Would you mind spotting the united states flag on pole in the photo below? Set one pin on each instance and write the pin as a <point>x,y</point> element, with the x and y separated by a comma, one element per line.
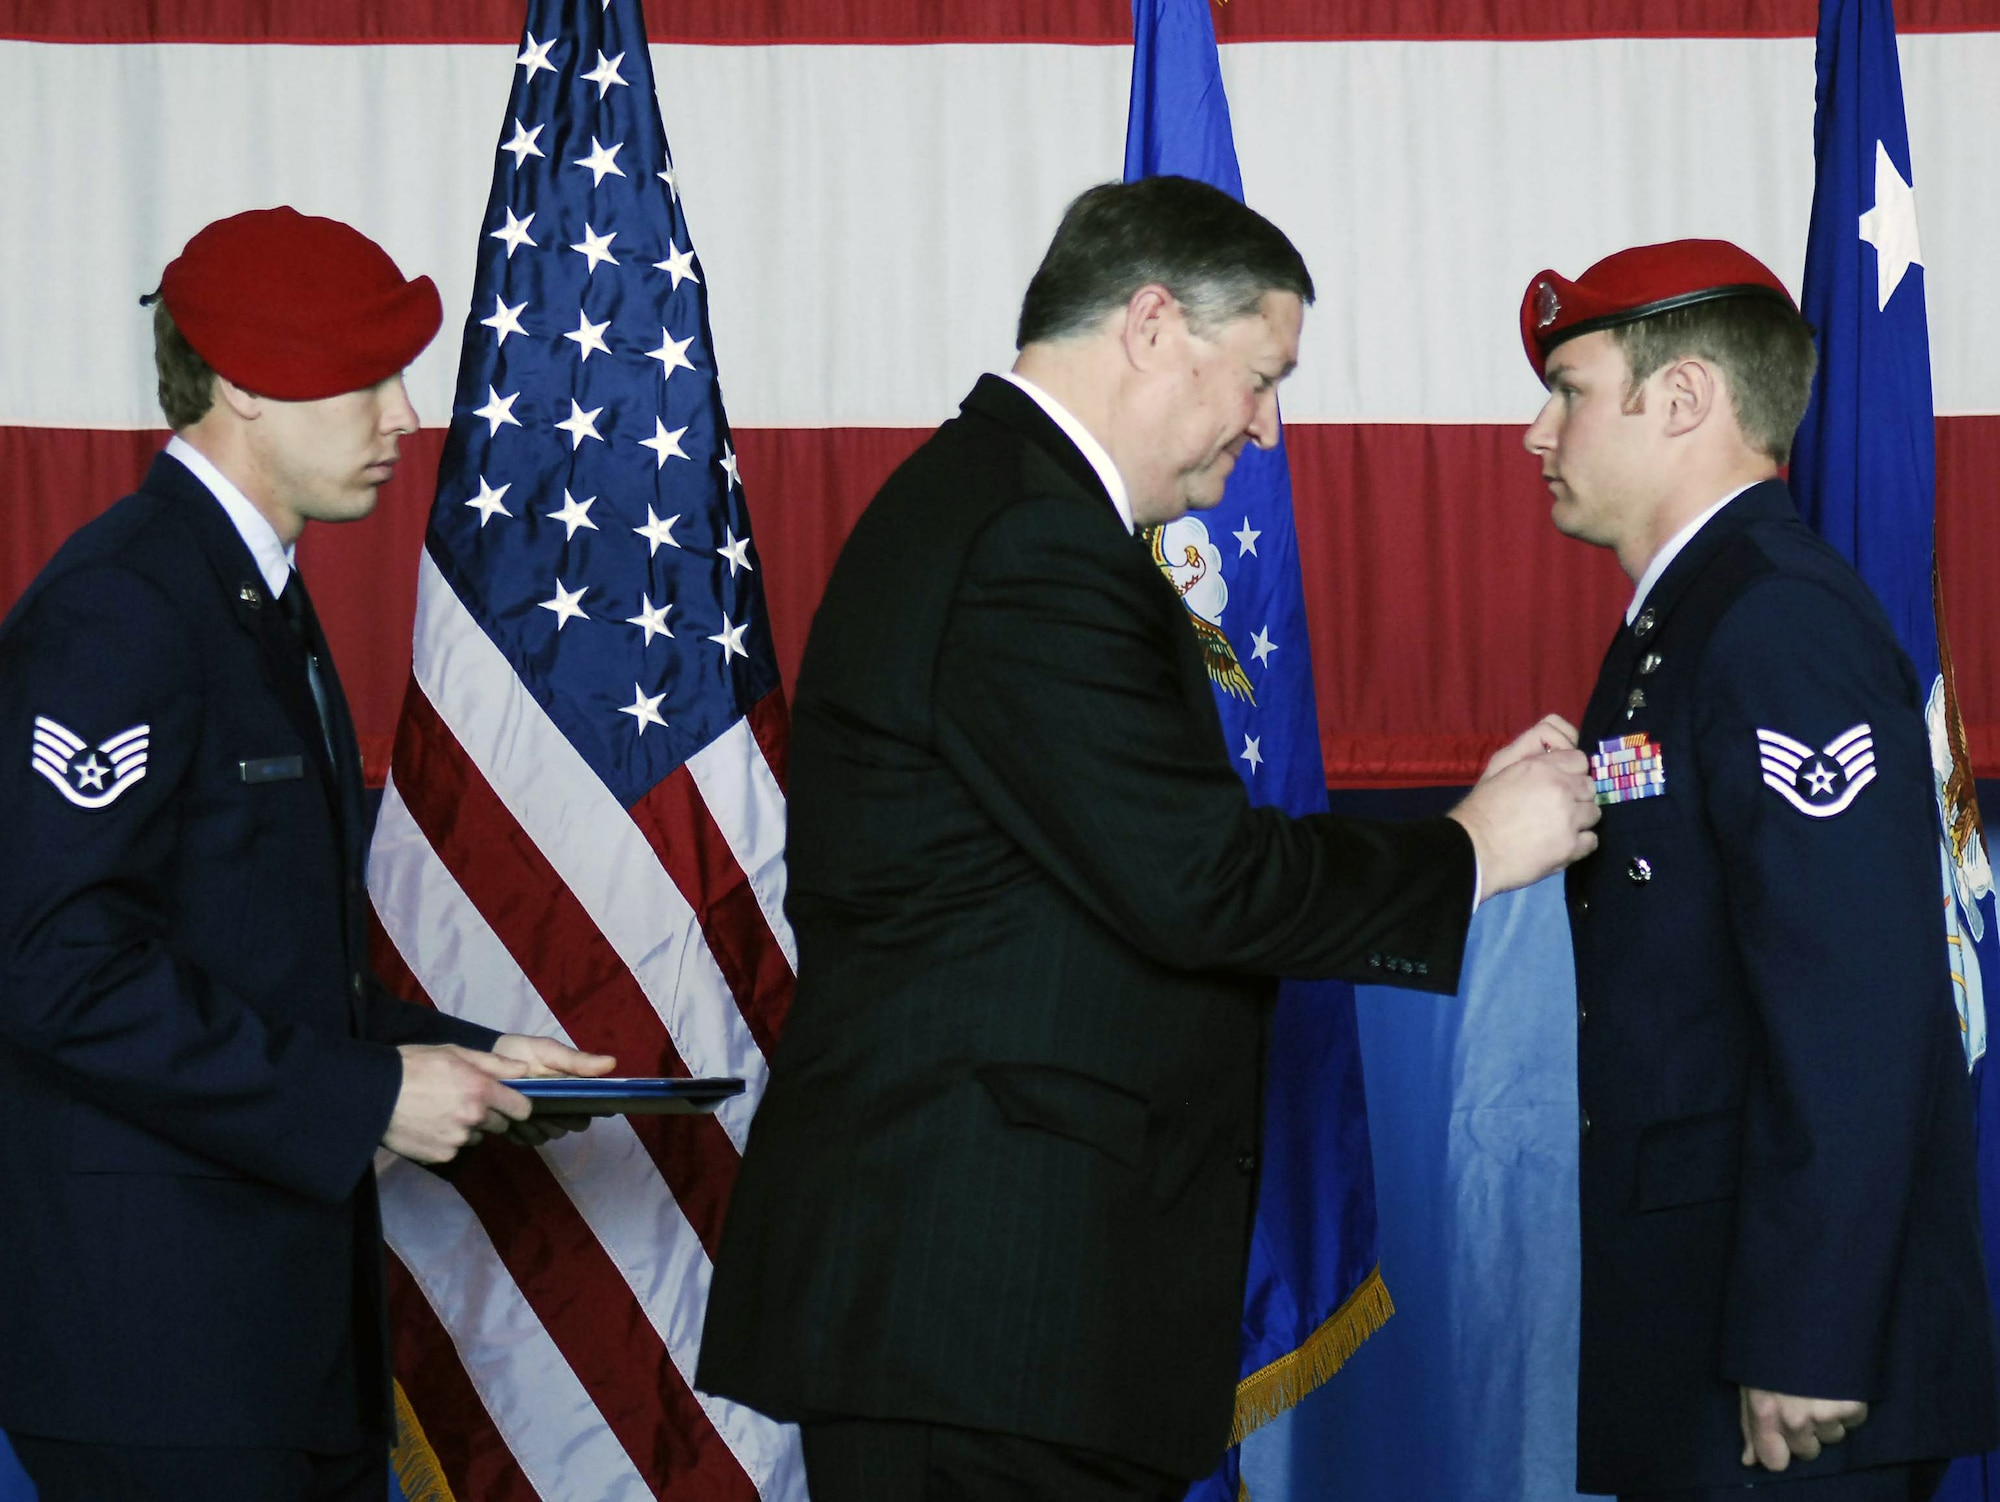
<point>583,829</point>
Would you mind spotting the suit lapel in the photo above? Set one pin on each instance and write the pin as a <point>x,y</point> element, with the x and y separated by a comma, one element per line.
<point>1005,403</point>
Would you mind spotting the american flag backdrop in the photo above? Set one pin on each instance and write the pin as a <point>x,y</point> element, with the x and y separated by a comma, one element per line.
<point>582,831</point>
<point>872,184</point>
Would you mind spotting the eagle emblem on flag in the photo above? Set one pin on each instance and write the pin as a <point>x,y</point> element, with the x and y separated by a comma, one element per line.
<point>1193,565</point>
<point>1819,783</point>
<point>90,777</point>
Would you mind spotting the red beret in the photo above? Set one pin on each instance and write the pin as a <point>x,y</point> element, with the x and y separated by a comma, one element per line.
<point>1638,283</point>
<point>297,308</point>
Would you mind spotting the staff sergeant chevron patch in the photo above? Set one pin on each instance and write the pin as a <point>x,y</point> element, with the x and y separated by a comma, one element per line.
<point>1820,783</point>
<point>83,775</point>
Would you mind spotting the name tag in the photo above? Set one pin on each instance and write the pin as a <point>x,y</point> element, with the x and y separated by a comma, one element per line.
<point>272,769</point>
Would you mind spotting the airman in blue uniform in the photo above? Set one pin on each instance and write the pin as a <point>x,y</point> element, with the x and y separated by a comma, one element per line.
<point>196,1065</point>
<point>1781,1261</point>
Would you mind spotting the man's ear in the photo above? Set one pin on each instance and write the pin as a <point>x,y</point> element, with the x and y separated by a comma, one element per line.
<point>244,404</point>
<point>1693,390</point>
<point>1151,314</point>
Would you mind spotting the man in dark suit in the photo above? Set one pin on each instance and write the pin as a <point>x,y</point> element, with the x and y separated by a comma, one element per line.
<point>990,1231</point>
<point>196,1066</point>
<point>1781,1260</point>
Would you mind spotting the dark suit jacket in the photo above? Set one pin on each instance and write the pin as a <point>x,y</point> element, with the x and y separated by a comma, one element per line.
<point>1004,1173</point>
<point>1777,1170</point>
<point>195,1066</point>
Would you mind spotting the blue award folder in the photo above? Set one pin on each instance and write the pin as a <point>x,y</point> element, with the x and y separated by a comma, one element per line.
<point>562,1095</point>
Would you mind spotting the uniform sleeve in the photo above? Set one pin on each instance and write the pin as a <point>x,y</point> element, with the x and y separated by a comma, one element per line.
<point>91,986</point>
<point>1060,703</point>
<point>1820,797</point>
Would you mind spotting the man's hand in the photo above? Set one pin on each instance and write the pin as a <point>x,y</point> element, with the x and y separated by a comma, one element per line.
<point>1533,810</point>
<point>451,1096</point>
<point>1550,733</point>
<point>540,1057</point>
<point>1778,1426</point>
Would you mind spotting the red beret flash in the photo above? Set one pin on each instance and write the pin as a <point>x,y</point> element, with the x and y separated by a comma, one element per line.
<point>1638,283</point>
<point>295,307</point>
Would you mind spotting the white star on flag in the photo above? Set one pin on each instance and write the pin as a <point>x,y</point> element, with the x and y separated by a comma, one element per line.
<point>658,531</point>
<point>651,620</point>
<point>730,639</point>
<point>596,247</point>
<point>672,354</point>
<point>1250,751</point>
<point>487,502</point>
<point>605,74</point>
<point>498,410</point>
<point>736,550</point>
<point>573,514</point>
<point>588,336</point>
<point>666,445</point>
<point>667,177</point>
<point>523,145</point>
<point>1891,227</point>
<point>580,425</point>
<point>565,604</point>
<point>728,463</point>
<point>535,57</point>
<point>1246,539</point>
<point>679,265</point>
<point>602,162</point>
<point>1261,644</point>
<point>506,320</point>
<point>514,232</point>
<point>645,708</point>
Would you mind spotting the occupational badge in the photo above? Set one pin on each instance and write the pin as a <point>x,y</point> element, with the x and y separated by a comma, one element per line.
<point>90,777</point>
<point>1627,768</point>
<point>1820,783</point>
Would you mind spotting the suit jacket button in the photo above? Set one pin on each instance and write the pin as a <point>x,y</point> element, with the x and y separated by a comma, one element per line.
<point>1582,1012</point>
<point>1639,870</point>
<point>1246,1163</point>
<point>354,984</point>
<point>1583,1123</point>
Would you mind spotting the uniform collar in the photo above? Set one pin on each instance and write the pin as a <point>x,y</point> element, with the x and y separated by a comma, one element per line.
<point>1088,446</point>
<point>1672,550</point>
<point>272,557</point>
<point>1767,500</point>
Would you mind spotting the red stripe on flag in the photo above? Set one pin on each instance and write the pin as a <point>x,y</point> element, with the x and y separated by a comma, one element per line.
<point>771,724</point>
<point>683,834</point>
<point>1427,649</point>
<point>589,1311</point>
<point>561,950</point>
<point>469,1449</point>
<point>1077,22</point>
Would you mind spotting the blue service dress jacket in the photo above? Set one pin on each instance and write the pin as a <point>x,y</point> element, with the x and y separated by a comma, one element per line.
<point>1777,1156</point>
<point>195,1062</point>
<point>1004,1172</point>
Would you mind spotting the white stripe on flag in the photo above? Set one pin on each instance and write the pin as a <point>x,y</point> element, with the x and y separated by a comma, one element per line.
<point>747,805</point>
<point>586,835</point>
<point>1421,223</point>
<point>540,1408</point>
<point>606,1171</point>
<point>612,1181</point>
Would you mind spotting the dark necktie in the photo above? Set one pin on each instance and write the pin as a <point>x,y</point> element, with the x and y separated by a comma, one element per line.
<point>297,606</point>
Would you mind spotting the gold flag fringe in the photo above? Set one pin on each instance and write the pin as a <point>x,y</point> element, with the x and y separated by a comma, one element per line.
<point>417,1468</point>
<point>1268,1392</point>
